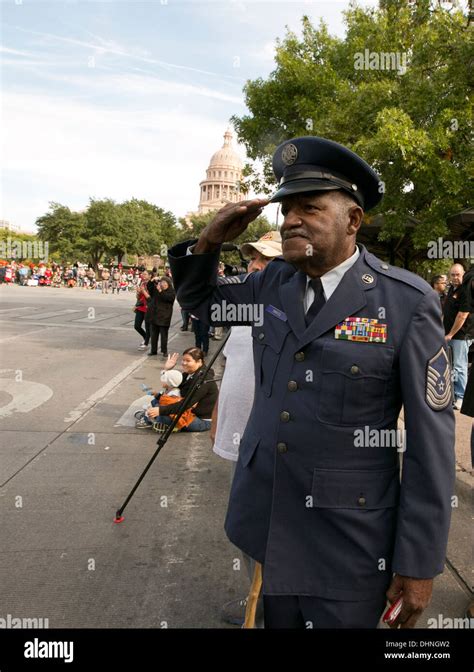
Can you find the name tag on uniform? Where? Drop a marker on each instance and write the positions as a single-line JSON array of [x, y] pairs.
[[361, 329], [276, 312]]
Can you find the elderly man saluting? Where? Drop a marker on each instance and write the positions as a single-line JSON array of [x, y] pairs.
[[346, 340]]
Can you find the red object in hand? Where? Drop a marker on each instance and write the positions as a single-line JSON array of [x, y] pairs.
[[393, 611]]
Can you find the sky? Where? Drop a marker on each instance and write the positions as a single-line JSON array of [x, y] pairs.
[[123, 99]]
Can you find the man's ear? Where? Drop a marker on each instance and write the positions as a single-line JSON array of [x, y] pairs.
[[355, 215]]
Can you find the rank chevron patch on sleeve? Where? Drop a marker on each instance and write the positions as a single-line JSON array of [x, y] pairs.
[[438, 381]]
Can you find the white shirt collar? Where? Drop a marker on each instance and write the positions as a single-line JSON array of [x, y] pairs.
[[331, 279]]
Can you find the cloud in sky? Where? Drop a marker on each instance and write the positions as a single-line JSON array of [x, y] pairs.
[[120, 101], [102, 47], [14, 52]]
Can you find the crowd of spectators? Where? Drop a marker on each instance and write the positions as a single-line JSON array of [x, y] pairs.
[[105, 278]]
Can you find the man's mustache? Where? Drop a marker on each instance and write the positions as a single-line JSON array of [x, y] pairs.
[[293, 233]]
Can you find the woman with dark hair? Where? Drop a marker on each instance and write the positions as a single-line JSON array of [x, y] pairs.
[[140, 310], [159, 313], [202, 400]]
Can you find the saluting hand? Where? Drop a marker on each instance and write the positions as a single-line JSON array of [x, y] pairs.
[[416, 594], [229, 223]]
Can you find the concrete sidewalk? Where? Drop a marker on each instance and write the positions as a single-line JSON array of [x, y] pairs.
[[453, 589], [464, 425]]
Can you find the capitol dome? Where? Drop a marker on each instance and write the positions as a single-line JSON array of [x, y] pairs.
[[223, 176], [226, 156]]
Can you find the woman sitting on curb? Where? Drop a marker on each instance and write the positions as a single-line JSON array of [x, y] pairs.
[[202, 401]]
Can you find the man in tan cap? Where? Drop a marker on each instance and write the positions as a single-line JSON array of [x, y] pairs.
[[260, 252], [263, 250], [232, 410]]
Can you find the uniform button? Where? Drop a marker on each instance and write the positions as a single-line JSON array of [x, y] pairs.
[[354, 369], [361, 501], [384, 266], [261, 336], [299, 356], [292, 385], [282, 447], [284, 416]]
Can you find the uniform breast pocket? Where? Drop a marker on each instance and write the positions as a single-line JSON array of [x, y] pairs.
[[362, 490], [268, 343], [353, 385]]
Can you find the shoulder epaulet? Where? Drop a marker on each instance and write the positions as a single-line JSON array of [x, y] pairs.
[[397, 273]]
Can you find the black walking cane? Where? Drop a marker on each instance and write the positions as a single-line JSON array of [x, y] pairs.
[[200, 379]]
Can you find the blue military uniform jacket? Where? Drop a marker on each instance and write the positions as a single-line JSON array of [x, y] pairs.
[[324, 512]]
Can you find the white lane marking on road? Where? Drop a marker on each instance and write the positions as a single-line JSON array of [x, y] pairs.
[[128, 419], [26, 395], [56, 313], [8, 310], [96, 319], [28, 333], [75, 325], [91, 401]]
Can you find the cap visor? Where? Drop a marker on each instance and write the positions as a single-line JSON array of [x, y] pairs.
[[265, 250], [302, 186], [247, 248]]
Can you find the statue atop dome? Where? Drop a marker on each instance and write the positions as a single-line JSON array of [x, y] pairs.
[[227, 137]]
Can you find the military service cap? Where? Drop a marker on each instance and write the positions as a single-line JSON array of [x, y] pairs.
[[311, 163]]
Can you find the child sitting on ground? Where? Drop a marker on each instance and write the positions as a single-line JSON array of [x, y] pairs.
[[169, 394]]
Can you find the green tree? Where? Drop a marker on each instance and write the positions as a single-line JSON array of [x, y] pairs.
[[196, 223], [12, 247], [64, 231], [146, 229], [413, 124], [103, 229], [107, 229], [253, 232]]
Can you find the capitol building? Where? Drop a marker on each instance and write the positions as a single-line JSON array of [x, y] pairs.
[[222, 181]]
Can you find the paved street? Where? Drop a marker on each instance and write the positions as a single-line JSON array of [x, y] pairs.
[[73, 464], [69, 456]]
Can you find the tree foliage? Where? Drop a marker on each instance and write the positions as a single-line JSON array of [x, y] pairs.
[[253, 232], [107, 229], [413, 125]]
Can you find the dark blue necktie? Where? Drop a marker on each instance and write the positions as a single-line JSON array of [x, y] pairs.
[[318, 302]]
